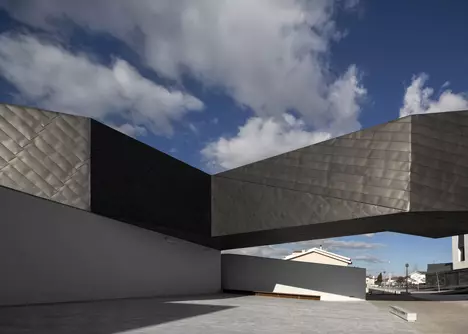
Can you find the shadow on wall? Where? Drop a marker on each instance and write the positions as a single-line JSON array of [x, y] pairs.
[[101, 317], [54, 253], [250, 273]]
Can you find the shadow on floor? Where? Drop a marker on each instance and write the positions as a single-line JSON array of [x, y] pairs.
[[424, 297], [101, 317], [400, 297]]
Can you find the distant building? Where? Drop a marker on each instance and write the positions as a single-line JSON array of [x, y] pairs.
[[319, 255], [417, 277], [451, 275], [441, 275], [370, 280], [433, 268]]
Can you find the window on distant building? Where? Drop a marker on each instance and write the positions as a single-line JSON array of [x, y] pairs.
[[461, 248]]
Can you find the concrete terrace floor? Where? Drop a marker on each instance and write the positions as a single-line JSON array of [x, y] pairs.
[[434, 316], [208, 314]]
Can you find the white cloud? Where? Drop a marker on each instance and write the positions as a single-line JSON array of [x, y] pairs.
[[53, 78], [131, 130], [270, 56], [344, 97], [260, 138], [265, 54], [420, 99], [369, 235]]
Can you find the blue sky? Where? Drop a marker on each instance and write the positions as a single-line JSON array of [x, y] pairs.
[[219, 84]]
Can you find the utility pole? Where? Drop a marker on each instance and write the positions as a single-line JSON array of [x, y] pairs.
[[407, 265]]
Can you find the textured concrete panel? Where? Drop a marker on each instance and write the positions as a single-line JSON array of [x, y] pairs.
[[408, 176], [439, 167], [45, 154], [362, 174], [247, 207], [434, 224]]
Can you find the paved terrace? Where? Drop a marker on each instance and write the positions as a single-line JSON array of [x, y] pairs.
[[437, 312], [208, 314]]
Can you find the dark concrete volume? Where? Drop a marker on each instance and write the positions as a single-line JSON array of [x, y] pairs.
[[137, 184]]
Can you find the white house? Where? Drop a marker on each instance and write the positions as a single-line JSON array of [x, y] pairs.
[[417, 277], [370, 280], [319, 255]]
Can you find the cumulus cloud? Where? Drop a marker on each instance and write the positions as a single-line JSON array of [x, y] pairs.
[[369, 235], [260, 138], [265, 54], [131, 130], [420, 99], [54, 78], [271, 57]]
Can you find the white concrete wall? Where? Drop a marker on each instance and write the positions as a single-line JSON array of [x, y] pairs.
[[457, 264], [334, 283], [53, 253], [319, 258]]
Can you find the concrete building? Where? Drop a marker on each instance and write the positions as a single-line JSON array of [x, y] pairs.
[[454, 274], [319, 255], [88, 213], [442, 275], [459, 251]]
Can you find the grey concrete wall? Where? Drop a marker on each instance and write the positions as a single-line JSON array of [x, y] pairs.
[[439, 162], [54, 253], [250, 273]]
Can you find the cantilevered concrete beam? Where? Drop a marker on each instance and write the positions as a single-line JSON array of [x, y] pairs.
[[409, 175]]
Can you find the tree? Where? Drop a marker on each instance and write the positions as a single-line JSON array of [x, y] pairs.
[[379, 279]]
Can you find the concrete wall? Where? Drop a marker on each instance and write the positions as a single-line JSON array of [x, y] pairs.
[[457, 264], [319, 258], [250, 273], [54, 253]]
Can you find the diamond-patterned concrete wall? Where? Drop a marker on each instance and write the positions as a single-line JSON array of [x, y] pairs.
[[361, 174], [439, 166], [45, 154]]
